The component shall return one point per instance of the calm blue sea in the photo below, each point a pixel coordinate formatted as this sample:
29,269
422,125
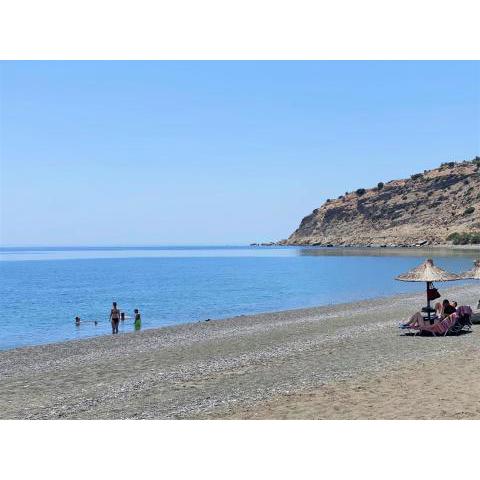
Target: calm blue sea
43,289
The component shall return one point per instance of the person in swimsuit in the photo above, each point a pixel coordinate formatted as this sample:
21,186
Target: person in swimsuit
138,320
114,318
448,308
77,321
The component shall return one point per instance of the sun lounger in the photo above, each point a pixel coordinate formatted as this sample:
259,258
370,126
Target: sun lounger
453,324
465,316
441,328
475,319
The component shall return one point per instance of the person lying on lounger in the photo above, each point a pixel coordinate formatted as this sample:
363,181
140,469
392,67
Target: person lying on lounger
442,311
415,321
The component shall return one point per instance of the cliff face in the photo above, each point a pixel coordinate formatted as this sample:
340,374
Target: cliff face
424,209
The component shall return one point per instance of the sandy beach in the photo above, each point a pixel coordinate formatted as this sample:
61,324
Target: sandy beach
346,361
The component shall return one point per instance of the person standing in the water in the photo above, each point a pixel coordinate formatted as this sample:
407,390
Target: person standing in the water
138,320
114,318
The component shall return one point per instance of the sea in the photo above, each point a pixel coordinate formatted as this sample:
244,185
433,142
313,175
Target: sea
43,289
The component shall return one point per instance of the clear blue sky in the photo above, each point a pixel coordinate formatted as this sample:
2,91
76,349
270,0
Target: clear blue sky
105,153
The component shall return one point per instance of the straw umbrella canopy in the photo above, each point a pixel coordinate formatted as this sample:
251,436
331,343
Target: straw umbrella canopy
428,272
473,273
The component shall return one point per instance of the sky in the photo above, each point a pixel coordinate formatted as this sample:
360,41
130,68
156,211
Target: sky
212,152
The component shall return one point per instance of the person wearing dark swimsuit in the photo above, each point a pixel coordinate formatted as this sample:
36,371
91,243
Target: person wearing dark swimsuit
115,318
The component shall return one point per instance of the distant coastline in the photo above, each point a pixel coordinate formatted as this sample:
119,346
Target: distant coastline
281,243
447,246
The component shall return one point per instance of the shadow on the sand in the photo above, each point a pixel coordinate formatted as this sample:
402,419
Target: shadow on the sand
431,335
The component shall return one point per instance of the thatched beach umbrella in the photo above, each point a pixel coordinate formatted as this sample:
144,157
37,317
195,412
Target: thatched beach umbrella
473,273
429,273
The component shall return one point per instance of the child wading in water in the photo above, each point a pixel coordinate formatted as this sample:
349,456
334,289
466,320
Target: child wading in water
138,320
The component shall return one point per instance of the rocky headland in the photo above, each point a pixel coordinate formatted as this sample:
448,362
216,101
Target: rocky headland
435,207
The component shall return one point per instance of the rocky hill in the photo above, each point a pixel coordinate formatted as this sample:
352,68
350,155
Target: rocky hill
437,206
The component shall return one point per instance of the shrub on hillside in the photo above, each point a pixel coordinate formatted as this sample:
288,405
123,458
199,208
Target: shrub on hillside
360,191
475,238
447,164
464,238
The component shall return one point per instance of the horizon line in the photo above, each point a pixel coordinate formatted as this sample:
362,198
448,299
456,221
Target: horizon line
130,245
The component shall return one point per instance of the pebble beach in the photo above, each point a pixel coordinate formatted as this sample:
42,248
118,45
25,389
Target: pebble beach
347,361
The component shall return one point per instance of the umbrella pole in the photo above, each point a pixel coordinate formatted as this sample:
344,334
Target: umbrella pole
428,304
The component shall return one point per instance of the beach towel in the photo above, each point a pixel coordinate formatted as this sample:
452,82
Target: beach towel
443,326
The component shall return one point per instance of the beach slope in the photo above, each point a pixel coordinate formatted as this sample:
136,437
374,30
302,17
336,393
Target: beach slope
347,361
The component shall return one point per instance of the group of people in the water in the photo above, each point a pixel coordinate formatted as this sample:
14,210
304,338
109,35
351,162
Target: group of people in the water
117,316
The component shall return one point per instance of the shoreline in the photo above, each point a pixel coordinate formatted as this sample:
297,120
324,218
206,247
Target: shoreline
300,311
377,246
58,329
229,368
